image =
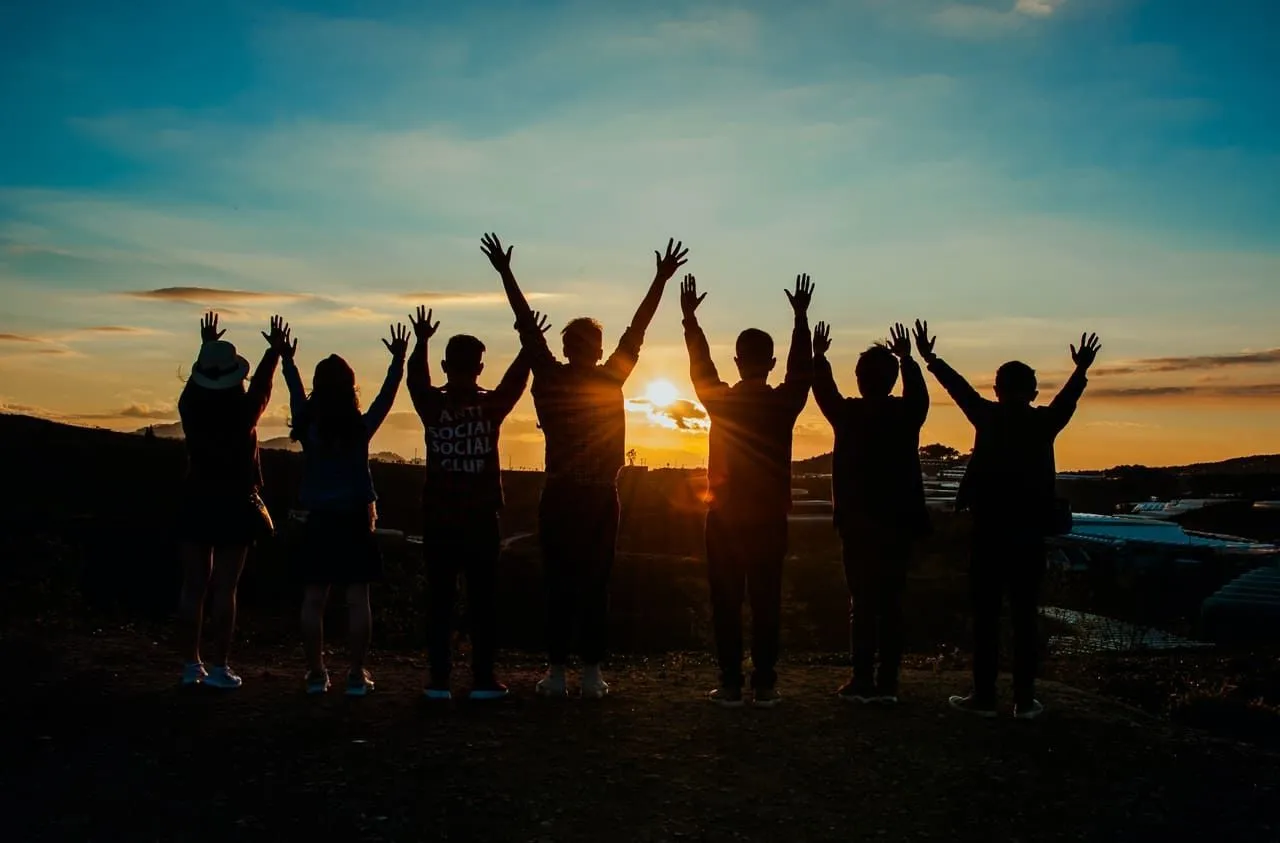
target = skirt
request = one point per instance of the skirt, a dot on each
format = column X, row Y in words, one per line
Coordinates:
column 338, row 548
column 223, row 520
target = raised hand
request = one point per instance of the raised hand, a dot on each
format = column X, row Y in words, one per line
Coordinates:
column 540, row 322
column 821, row 338
column 676, row 257
column 802, row 296
column 900, row 341
column 398, row 345
column 209, row 328
column 1084, row 356
column 492, row 248
column 689, row 298
column 925, row 343
column 421, row 322
column 279, row 338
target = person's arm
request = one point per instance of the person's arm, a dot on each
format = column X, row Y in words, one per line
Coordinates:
column 915, row 393
column 529, row 325
column 799, row 375
column 418, row 379
column 825, row 391
column 377, row 413
column 623, row 360
column 258, row 394
column 512, row 386
column 702, row 370
column 1064, row 404
column 966, row 397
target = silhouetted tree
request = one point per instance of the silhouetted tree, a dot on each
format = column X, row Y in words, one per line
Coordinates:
column 938, row 451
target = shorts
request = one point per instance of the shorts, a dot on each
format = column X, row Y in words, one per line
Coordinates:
column 223, row 520
column 338, row 548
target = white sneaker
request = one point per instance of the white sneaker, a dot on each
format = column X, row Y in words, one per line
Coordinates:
column 318, row 683
column 1028, row 712
column 593, row 685
column 223, row 677
column 193, row 674
column 553, row 684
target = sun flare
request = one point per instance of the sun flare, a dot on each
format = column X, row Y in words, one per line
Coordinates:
column 661, row 393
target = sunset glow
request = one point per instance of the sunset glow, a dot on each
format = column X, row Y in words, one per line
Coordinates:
column 661, row 393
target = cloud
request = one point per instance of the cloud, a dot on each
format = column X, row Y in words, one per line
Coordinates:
column 210, row 296
column 20, row 338
column 974, row 21
column 461, row 299
column 682, row 414
column 133, row 411
column 1211, row 391
column 1037, row 8
column 1195, row 362
column 117, row 330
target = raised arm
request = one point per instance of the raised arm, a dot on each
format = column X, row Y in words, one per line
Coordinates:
column 377, row 413
column 532, row 339
column 624, row 358
column 509, row 390
column 418, row 379
column 702, row 370
column 258, row 395
column 825, row 391
column 966, row 397
column 799, row 375
column 1063, row 406
column 915, row 393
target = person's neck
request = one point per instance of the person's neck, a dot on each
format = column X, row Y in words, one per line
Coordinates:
column 461, row 386
column 756, row 380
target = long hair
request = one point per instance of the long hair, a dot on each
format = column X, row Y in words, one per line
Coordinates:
column 333, row 408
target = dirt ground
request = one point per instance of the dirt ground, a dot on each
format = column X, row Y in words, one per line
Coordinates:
column 101, row 745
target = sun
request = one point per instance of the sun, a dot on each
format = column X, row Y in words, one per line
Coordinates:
column 661, row 393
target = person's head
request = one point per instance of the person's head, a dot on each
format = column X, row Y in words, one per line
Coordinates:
column 334, row 404
column 1016, row 383
column 219, row 368
column 754, row 354
column 463, row 359
column 877, row 371
column 583, row 341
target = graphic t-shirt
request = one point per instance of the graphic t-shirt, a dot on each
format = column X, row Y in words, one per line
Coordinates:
column 462, row 426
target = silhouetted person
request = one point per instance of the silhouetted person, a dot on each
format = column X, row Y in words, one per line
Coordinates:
column 877, row 492
column 582, row 413
column 150, row 434
column 222, row 510
column 749, row 487
column 462, row 498
column 338, row 546
column 1009, row 487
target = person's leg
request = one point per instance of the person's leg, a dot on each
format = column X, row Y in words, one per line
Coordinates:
column 986, row 589
column 481, row 568
column 764, row 560
column 858, row 569
column 1025, row 573
column 555, row 528
column 597, row 556
column 441, row 560
column 228, row 564
column 360, row 630
column 197, row 566
column 891, row 583
column 727, row 579
column 314, row 599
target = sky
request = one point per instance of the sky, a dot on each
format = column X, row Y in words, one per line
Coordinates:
column 1014, row 171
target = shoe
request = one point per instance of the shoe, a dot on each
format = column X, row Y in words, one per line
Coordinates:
column 223, row 678
column 766, row 698
column 593, row 685
column 437, row 690
column 1028, row 712
column 489, row 690
column 359, row 684
column 318, row 682
column 887, row 699
column 727, row 697
column 971, row 705
column 857, row 694
column 553, row 684
column 193, row 674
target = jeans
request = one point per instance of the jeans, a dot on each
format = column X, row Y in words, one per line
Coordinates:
column 744, row 559
column 875, row 567
column 1013, row 562
column 467, row 545
column 578, row 529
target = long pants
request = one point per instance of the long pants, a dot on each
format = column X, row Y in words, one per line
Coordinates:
column 1005, row 561
column 578, row 527
column 744, row 559
column 467, row 545
column 875, row 567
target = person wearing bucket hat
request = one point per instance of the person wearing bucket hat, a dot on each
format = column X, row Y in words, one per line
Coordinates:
column 222, row 509
column 337, row 544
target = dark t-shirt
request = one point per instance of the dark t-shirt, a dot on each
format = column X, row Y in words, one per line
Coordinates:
column 221, row 432
column 462, row 425
column 582, row 411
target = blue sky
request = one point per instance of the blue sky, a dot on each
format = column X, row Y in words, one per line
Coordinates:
column 1016, row 171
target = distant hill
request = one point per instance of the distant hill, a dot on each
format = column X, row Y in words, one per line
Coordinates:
column 280, row 443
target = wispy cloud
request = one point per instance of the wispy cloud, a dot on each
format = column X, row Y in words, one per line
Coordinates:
column 211, row 296
column 463, row 299
column 22, row 338
column 683, row 415
column 1150, row 365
